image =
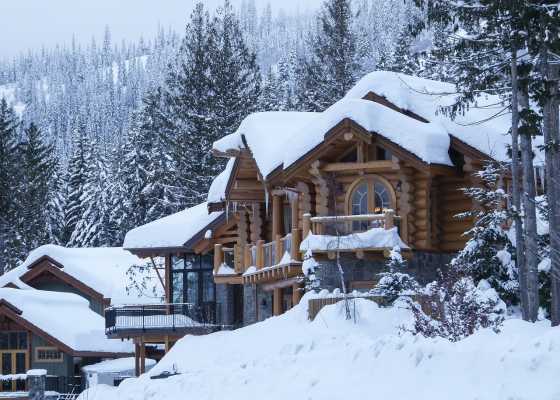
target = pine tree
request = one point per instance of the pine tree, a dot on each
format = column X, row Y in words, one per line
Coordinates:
column 333, row 67
column 38, row 168
column 213, row 85
column 76, row 178
column 394, row 282
column 488, row 252
column 9, row 175
column 93, row 228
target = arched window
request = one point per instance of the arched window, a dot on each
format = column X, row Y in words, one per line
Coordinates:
column 370, row 196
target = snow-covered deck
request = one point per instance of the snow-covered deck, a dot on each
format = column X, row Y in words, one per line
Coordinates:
column 178, row 319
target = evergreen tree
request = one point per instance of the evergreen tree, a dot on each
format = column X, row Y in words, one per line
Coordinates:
column 394, row 282
column 213, row 85
column 93, row 228
column 38, row 167
column 333, row 67
column 8, row 185
column 488, row 252
column 76, row 178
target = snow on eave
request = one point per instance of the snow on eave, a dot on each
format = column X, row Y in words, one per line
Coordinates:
column 221, row 185
column 177, row 231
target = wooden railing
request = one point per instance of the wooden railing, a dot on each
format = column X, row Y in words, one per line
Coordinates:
column 346, row 224
column 262, row 255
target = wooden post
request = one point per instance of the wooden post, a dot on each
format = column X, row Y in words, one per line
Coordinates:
column 306, row 225
column 297, row 292
column 168, row 279
column 136, row 359
column 295, row 212
column 142, row 356
column 279, row 249
column 296, row 241
column 248, row 257
column 276, row 215
column 389, row 219
column 218, row 257
column 260, row 254
column 277, row 302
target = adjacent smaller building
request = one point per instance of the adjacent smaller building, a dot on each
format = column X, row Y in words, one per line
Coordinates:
column 52, row 311
column 54, row 331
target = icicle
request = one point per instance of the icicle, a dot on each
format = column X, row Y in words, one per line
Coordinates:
column 266, row 199
column 227, row 211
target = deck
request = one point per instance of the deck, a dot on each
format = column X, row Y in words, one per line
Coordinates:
column 161, row 319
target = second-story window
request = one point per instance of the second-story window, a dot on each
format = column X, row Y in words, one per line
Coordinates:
column 369, row 196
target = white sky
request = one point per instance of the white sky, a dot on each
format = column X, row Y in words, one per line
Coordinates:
column 30, row 24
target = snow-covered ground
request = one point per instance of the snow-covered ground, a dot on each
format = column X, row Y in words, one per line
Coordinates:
column 331, row 358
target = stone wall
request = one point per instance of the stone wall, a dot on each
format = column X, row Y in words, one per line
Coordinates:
column 423, row 266
column 257, row 304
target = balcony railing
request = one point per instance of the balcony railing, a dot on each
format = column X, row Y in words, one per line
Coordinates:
column 184, row 317
column 262, row 255
column 348, row 224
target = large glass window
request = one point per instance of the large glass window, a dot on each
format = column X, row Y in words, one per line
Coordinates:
column 369, row 196
column 192, row 279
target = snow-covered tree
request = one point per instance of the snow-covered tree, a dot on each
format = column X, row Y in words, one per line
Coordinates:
column 488, row 254
column 8, row 174
column 453, row 307
column 333, row 66
column 394, row 282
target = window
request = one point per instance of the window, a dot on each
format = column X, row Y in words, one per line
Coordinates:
column 13, row 340
column 48, row 354
column 370, row 196
column 192, row 280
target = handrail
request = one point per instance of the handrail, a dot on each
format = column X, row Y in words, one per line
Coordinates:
column 146, row 317
column 317, row 224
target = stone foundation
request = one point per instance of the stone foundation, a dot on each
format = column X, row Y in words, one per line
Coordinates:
column 423, row 266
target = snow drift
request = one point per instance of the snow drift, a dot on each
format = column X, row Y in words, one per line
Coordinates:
column 331, row 358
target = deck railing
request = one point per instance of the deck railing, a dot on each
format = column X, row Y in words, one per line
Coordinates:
column 161, row 317
column 348, row 224
column 262, row 255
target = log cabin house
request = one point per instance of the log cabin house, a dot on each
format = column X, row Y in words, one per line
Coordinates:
column 382, row 167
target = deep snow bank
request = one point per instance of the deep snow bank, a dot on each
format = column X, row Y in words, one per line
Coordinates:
column 331, row 358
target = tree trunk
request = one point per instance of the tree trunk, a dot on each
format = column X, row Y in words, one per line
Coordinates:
column 516, row 190
column 530, row 216
column 552, row 165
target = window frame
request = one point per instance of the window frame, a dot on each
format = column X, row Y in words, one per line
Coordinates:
column 370, row 181
column 50, row 360
column 199, row 264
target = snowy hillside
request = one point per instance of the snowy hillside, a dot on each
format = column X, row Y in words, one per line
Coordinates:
column 330, row 358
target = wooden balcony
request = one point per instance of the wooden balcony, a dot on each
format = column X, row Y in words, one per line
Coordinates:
column 352, row 233
column 263, row 262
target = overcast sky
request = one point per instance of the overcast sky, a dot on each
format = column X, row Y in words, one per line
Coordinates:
column 30, row 24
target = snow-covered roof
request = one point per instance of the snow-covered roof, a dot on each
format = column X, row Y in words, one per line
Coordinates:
column 279, row 139
column 427, row 141
column 217, row 191
column 268, row 135
column 116, row 366
column 102, row 269
column 173, row 231
column 479, row 127
column 66, row 317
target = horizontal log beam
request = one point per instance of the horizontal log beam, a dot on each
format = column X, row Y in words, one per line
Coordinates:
column 371, row 166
